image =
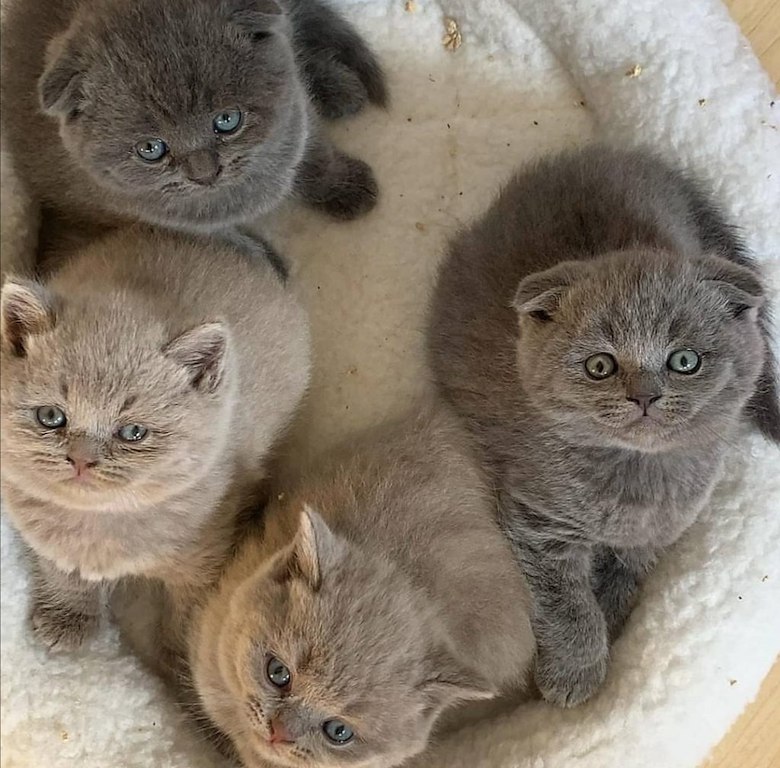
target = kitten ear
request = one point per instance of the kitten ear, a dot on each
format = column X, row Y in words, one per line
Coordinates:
column 27, row 308
column 60, row 87
column 255, row 17
column 451, row 682
column 202, row 351
column 539, row 295
column 740, row 286
column 314, row 545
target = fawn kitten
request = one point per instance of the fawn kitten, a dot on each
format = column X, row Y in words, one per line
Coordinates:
column 144, row 384
column 380, row 593
column 192, row 114
column 603, row 333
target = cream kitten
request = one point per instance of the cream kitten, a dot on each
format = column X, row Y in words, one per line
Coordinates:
column 144, row 384
column 381, row 593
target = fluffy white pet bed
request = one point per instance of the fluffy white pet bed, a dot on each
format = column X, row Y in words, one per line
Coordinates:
column 530, row 76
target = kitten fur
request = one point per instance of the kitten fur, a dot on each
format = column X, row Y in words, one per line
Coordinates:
column 202, row 345
column 599, row 251
column 385, row 585
column 88, row 79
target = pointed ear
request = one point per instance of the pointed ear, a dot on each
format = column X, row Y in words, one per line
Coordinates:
column 314, row 546
column 257, row 18
column 739, row 286
column 27, row 308
column 202, row 351
column 451, row 682
column 539, row 295
column 60, row 88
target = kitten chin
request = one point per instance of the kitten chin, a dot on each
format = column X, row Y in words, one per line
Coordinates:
column 221, row 128
column 138, row 409
column 380, row 595
column 604, row 336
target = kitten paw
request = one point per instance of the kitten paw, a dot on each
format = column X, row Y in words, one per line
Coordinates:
column 565, row 685
column 336, row 91
column 352, row 191
column 62, row 630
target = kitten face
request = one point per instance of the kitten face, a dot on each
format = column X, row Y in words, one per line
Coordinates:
column 99, row 408
column 641, row 351
column 326, row 658
column 191, row 113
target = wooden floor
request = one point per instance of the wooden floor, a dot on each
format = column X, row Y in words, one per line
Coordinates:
column 754, row 740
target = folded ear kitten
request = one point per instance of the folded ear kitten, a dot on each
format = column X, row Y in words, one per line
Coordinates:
column 193, row 114
column 604, row 335
column 144, row 385
column 381, row 593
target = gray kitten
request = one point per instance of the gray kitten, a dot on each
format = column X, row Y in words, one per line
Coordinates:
column 603, row 333
column 187, row 113
column 145, row 383
column 380, row 593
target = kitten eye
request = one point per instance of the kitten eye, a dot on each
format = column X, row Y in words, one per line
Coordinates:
column 51, row 417
column 337, row 732
column 151, row 150
column 601, row 366
column 227, row 121
column 132, row 433
column 684, row 361
column 277, row 673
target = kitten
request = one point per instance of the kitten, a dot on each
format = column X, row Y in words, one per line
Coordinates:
column 144, row 385
column 380, row 593
column 603, row 333
column 191, row 114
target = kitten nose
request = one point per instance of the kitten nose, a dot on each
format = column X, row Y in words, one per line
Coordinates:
column 279, row 734
column 644, row 400
column 80, row 464
column 202, row 166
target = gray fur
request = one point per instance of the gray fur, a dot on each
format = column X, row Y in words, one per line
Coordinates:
column 85, row 80
column 599, row 251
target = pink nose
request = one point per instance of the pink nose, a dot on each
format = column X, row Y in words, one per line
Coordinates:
column 80, row 464
column 279, row 734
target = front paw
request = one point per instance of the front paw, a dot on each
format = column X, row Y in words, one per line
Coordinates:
column 59, row 629
column 336, row 90
column 352, row 190
column 565, row 683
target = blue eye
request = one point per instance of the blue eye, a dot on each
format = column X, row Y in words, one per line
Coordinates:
column 227, row 121
column 151, row 150
column 132, row 433
column 337, row 732
column 277, row 672
column 50, row 416
column 684, row 361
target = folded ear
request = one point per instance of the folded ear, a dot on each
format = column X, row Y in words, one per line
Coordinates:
column 27, row 309
column 257, row 18
column 60, row 87
column 740, row 287
column 450, row 681
column 202, row 352
column 539, row 295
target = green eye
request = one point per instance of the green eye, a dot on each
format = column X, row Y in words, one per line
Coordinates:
column 228, row 121
column 684, row 361
column 132, row 433
column 337, row 732
column 601, row 366
column 51, row 417
column 151, row 150
column 277, row 672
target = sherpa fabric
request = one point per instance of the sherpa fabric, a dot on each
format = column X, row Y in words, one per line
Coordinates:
column 530, row 76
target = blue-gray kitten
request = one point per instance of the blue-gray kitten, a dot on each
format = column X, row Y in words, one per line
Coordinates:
column 196, row 114
column 603, row 333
